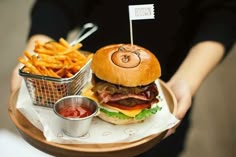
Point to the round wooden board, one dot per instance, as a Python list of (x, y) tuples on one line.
[(36, 138)]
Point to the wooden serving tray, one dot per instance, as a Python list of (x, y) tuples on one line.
[(36, 138)]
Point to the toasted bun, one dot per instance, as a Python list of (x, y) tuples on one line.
[(117, 121), (125, 64)]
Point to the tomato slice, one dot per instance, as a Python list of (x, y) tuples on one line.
[(138, 106)]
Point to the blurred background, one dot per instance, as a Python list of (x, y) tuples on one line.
[(213, 122)]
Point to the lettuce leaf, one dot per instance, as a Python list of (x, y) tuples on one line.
[(142, 115), (115, 114), (147, 113)]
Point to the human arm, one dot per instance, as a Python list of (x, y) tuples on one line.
[(213, 38), (201, 60)]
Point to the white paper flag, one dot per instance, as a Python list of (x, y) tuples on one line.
[(141, 12)]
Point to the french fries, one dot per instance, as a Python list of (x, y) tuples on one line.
[(55, 59)]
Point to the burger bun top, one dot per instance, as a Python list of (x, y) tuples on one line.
[(125, 64)]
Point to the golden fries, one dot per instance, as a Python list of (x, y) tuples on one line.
[(55, 59)]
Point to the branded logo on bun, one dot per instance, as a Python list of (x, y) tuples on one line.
[(124, 83)]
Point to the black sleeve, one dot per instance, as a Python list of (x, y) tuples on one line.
[(55, 18), (217, 22)]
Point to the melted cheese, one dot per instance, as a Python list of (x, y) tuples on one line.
[(90, 94), (131, 113)]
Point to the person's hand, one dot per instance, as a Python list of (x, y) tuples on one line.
[(15, 78), (189, 76), (183, 95)]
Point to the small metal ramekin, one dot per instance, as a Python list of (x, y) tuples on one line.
[(75, 127)]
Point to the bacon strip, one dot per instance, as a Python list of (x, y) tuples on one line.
[(108, 92)]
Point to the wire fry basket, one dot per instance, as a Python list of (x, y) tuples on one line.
[(45, 91)]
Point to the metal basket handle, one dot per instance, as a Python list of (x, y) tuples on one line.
[(86, 30)]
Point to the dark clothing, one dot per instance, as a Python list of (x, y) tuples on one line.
[(177, 26)]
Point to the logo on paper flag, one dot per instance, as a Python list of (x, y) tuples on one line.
[(141, 12)]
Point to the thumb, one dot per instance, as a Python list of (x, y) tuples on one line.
[(183, 96), (184, 99)]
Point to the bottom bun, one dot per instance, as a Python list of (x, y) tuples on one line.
[(118, 121)]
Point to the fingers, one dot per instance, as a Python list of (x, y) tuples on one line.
[(183, 95), (184, 98), (183, 106), (172, 130), (15, 79)]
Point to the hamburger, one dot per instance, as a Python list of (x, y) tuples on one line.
[(123, 83)]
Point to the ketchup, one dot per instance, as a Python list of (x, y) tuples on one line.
[(75, 112)]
